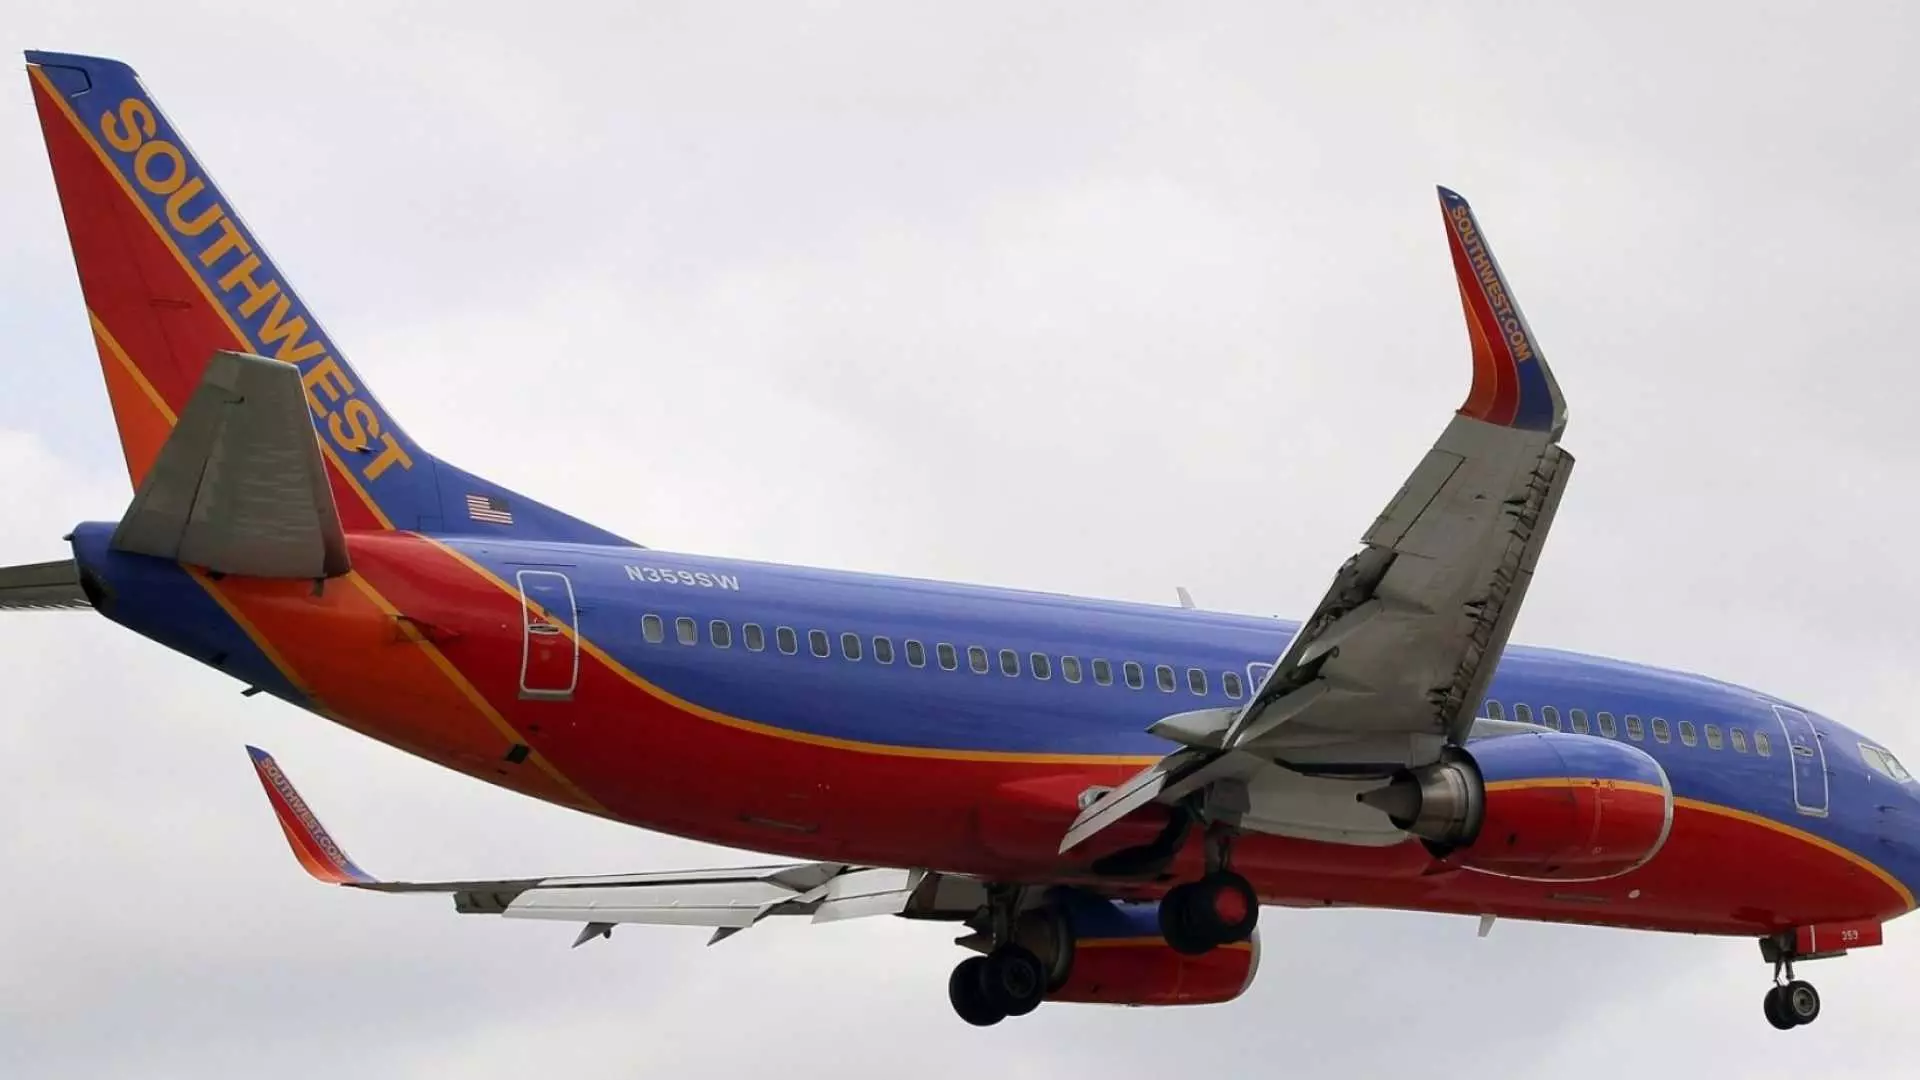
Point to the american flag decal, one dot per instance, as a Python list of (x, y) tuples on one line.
[(489, 508)]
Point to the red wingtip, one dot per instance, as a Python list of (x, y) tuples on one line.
[(311, 844)]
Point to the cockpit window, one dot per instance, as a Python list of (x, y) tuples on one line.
[(1885, 763)]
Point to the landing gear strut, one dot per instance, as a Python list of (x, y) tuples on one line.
[(1791, 1002)]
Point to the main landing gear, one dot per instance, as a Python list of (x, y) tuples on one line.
[(1010, 980), (1199, 916)]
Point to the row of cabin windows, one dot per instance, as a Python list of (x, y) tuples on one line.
[(1637, 729), (1039, 665)]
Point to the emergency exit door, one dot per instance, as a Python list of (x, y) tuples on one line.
[(549, 645)]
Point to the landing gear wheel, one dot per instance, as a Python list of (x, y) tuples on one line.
[(1800, 1002), (1776, 1015), (1013, 981), (1219, 909), (1178, 927), (966, 989)]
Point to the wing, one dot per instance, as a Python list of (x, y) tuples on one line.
[(42, 587), (240, 486), (1386, 672), (728, 900)]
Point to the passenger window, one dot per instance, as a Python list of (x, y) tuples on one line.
[(819, 645), (1660, 732), (1550, 717), (1579, 718), (1230, 682), (1687, 735), (1042, 667), (653, 629), (1163, 675), (1762, 745), (785, 638), (1495, 710), (1712, 732), (1737, 737), (850, 645), (883, 650), (949, 659), (1009, 663), (753, 637), (685, 629), (977, 659), (1523, 713), (916, 654), (1197, 681), (721, 633), (1136, 676), (1103, 673), (1070, 668), (1257, 675), (1636, 728), (1607, 726)]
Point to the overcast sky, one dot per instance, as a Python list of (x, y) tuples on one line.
[(1096, 298)]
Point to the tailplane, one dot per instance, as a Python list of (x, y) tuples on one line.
[(172, 275)]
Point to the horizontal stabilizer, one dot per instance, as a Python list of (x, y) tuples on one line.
[(239, 486), (46, 586)]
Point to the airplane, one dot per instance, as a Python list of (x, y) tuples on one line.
[(1098, 796)]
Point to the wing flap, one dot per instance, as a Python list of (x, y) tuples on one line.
[(240, 486), (47, 586)]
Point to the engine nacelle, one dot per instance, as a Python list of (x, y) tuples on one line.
[(1111, 953), (1544, 806)]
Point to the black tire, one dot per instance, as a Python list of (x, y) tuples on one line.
[(1800, 1002), (1178, 926), (966, 989), (1013, 981), (1232, 907), (1775, 1010)]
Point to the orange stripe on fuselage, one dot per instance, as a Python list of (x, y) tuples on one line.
[(1820, 843), (589, 649), (374, 673)]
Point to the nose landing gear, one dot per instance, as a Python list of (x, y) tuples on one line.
[(1791, 1002)]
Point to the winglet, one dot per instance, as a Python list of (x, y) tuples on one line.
[(1512, 385), (316, 850)]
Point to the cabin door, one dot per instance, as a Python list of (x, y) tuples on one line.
[(549, 644), (1809, 760)]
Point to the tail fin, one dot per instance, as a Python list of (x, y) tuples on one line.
[(171, 275)]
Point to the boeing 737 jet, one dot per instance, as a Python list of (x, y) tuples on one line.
[(1099, 796)]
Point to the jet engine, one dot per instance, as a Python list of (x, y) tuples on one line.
[(1544, 806), (1111, 953)]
